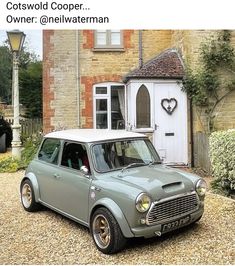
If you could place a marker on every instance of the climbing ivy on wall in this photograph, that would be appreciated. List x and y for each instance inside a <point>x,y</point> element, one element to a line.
<point>214,79</point>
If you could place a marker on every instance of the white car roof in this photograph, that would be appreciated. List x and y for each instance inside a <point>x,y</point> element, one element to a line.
<point>92,135</point>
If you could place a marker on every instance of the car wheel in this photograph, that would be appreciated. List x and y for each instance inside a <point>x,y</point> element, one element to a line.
<point>106,232</point>
<point>3,144</point>
<point>27,196</point>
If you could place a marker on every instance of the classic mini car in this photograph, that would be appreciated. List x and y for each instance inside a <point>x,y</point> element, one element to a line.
<point>112,182</point>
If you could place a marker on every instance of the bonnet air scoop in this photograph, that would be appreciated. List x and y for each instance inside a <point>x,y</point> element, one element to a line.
<point>173,187</point>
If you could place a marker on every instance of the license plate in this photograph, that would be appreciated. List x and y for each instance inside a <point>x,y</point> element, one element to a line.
<point>175,224</point>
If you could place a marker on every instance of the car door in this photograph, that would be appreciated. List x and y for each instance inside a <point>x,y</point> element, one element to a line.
<point>45,167</point>
<point>71,186</point>
<point>62,186</point>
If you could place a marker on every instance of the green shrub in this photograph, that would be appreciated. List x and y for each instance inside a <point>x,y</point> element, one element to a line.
<point>30,148</point>
<point>222,156</point>
<point>10,165</point>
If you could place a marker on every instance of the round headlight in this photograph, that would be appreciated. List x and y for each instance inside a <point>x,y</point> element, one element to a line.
<point>201,187</point>
<point>143,202</point>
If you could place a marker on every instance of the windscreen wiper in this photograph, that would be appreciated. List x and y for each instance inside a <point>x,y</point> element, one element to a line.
<point>154,162</point>
<point>132,165</point>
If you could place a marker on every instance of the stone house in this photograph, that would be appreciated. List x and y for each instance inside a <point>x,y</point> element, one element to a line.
<point>129,79</point>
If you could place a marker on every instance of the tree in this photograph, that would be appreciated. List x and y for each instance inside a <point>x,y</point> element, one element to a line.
<point>5,74</point>
<point>31,89</point>
<point>30,80</point>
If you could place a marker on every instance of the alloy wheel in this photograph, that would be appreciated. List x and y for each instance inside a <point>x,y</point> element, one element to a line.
<point>26,195</point>
<point>101,231</point>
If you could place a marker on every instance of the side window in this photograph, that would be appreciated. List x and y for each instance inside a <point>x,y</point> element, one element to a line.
<point>74,156</point>
<point>50,151</point>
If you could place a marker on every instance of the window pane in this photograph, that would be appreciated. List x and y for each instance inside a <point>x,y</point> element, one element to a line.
<point>101,90</point>
<point>74,156</point>
<point>143,108</point>
<point>101,113</point>
<point>115,37</point>
<point>101,37</point>
<point>50,151</point>
<point>117,107</point>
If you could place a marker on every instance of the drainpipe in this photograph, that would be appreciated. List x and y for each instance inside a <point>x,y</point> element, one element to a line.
<point>140,49</point>
<point>191,133</point>
<point>78,79</point>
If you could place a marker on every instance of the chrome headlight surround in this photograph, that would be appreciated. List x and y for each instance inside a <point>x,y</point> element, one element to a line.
<point>143,202</point>
<point>201,187</point>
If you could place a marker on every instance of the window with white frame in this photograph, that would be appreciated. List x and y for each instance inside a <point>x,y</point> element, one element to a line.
<point>109,106</point>
<point>108,39</point>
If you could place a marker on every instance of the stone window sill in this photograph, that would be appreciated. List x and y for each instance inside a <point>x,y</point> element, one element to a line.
<point>108,50</point>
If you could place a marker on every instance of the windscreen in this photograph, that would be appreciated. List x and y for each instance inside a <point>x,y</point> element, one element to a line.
<point>119,154</point>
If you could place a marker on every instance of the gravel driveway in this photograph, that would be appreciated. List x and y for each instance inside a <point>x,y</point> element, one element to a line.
<point>48,238</point>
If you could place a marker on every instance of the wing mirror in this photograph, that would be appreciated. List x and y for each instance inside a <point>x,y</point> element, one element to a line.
<point>84,170</point>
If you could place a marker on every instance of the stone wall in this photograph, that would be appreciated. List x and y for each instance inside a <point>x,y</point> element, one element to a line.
<point>68,99</point>
<point>189,43</point>
<point>155,42</point>
<point>60,80</point>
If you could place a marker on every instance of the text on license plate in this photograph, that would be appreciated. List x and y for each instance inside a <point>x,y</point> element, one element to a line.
<point>175,224</point>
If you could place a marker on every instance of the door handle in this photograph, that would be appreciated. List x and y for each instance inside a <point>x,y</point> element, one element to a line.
<point>57,176</point>
<point>156,126</point>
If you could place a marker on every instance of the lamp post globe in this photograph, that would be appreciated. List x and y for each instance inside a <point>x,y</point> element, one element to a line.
<point>16,40</point>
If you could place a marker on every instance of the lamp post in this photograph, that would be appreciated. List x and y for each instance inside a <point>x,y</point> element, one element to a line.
<point>16,39</point>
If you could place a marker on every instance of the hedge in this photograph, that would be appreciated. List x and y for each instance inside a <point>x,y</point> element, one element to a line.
<point>222,156</point>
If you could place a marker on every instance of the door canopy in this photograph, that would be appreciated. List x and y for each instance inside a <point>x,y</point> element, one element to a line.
<point>167,65</point>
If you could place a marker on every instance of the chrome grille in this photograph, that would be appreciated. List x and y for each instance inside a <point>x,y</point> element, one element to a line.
<point>172,208</point>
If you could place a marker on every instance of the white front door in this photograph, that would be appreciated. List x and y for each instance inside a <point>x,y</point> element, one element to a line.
<point>170,117</point>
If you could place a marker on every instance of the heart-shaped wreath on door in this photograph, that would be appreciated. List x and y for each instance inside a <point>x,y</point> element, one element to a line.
<point>169,105</point>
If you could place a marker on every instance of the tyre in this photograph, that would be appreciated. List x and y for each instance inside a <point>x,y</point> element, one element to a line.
<point>106,232</point>
<point>3,144</point>
<point>28,197</point>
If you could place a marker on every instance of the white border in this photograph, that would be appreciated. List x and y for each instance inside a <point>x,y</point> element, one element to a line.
<point>124,14</point>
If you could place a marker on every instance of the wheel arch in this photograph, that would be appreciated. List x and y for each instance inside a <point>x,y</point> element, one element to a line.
<point>33,179</point>
<point>116,212</point>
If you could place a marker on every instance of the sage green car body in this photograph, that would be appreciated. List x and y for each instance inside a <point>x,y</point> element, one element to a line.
<point>77,195</point>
